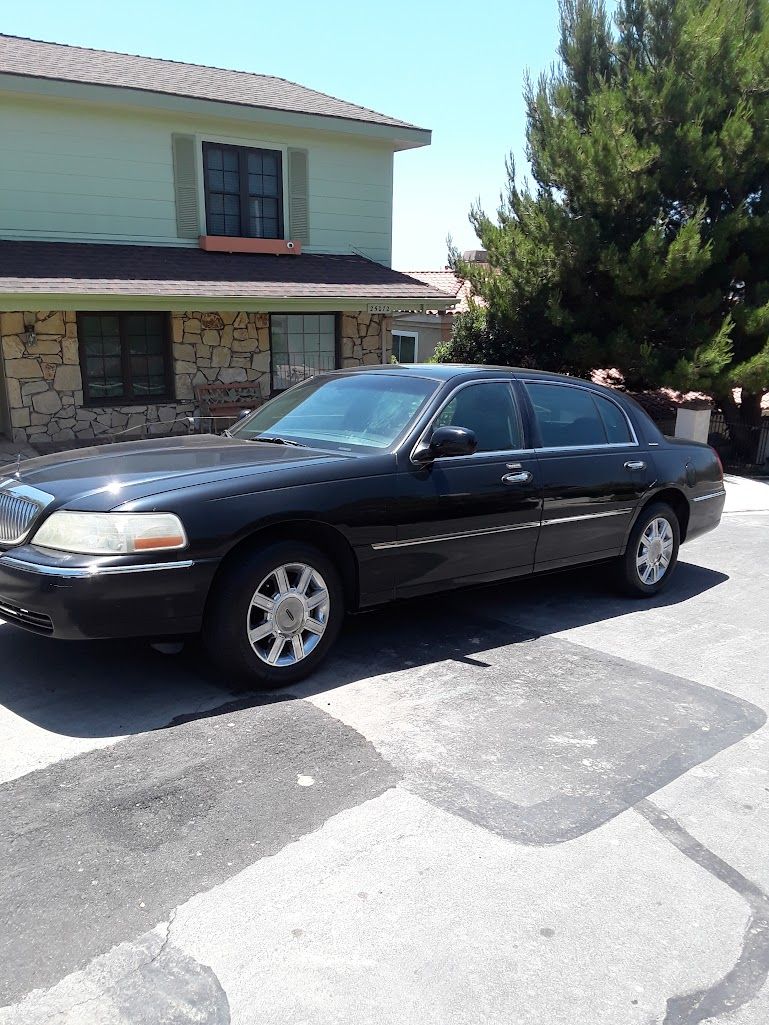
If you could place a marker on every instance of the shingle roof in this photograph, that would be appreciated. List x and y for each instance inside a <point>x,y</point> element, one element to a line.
<point>37,59</point>
<point>447,281</point>
<point>76,268</point>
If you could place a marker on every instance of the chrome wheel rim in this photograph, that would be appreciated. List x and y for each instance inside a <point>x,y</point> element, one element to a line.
<point>655,550</point>
<point>288,614</point>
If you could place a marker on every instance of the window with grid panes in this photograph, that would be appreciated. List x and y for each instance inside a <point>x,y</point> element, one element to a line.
<point>124,357</point>
<point>302,344</point>
<point>244,191</point>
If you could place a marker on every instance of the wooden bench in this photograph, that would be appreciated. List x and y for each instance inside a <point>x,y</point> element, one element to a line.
<point>220,405</point>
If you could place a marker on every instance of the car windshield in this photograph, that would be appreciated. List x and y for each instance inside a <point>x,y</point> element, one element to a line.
<point>358,412</point>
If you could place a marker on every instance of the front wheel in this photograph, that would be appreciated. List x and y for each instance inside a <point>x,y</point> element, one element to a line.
<point>651,553</point>
<point>274,615</point>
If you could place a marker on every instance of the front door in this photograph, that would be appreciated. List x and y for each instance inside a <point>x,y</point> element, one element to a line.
<point>471,518</point>
<point>594,473</point>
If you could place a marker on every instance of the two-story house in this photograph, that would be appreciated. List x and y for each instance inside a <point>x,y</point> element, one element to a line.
<point>165,226</point>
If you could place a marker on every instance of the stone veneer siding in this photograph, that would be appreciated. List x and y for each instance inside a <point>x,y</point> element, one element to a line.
<point>45,388</point>
<point>361,339</point>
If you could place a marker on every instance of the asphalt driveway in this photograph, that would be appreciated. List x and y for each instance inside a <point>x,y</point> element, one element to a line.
<point>531,803</point>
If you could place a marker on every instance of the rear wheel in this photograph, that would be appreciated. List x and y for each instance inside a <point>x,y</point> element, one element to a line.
<point>652,551</point>
<point>274,615</point>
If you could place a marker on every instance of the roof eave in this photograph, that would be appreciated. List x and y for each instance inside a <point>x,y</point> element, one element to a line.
<point>400,136</point>
<point>12,300</point>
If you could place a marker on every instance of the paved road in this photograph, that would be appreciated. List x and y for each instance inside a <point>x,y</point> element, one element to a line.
<point>532,803</point>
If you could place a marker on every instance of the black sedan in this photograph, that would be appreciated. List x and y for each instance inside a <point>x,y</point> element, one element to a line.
<point>349,490</point>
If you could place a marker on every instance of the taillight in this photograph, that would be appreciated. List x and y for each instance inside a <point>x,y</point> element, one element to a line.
<point>718,460</point>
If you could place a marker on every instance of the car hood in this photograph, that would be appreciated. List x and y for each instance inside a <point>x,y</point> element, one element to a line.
<point>123,472</point>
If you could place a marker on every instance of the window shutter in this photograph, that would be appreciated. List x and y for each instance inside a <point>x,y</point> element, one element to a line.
<point>298,196</point>
<point>186,185</point>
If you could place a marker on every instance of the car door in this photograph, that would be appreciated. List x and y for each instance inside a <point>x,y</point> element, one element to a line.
<point>594,472</point>
<point>470,517</point>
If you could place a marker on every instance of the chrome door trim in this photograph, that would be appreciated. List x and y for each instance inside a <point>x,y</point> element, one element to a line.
<point>706,498</point>
<point>453,537</point>
<point>83,572</point>
<point>585,516</point>
<point>576,449</point>
<point>571,448</point>
<point>476,455</point>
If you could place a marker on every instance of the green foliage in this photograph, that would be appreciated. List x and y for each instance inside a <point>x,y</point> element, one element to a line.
<point>643,241</point>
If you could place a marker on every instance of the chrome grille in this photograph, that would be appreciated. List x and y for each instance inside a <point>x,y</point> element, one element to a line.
<point>19,506</point>
<point>16,516</point>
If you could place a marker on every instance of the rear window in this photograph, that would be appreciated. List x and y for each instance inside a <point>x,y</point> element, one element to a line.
<point>570,417</point>
<point>567,417</point>
<point>614,421</point>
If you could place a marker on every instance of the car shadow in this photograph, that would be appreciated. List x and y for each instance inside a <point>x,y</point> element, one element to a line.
<point>119,688</point>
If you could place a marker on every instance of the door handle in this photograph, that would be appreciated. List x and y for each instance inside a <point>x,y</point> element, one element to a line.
<point>521,477</point>
<point>635,464</point>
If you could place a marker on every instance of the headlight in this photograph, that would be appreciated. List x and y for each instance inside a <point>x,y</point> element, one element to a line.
<point>111,533</point>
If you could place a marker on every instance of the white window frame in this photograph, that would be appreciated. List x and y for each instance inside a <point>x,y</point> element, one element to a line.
<point>408,334</point>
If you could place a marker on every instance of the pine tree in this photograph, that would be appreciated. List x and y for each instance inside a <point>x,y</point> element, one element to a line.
<point>643,242</point>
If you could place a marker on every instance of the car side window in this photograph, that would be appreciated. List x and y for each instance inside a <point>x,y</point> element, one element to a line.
<point>489,410</point>
<point>614,420</point>
<point>567,417</point>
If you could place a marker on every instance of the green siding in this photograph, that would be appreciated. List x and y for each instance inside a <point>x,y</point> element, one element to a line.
<point>78,172</point>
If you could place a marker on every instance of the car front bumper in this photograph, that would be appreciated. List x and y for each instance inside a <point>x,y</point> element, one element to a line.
<point>78,598</point>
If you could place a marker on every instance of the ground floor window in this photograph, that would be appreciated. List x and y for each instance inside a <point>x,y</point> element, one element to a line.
<point>302,344</point>
<point>125,357</point>
<point>405,346</point>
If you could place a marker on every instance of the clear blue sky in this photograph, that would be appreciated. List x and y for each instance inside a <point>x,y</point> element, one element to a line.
<point>454,67</point>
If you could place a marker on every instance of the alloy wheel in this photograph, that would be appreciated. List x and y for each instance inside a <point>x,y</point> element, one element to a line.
<point>288,614</point>
<point>655,550</point>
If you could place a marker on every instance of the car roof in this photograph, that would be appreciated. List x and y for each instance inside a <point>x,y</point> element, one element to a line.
<point>450,371</point>
<point>435,371</point>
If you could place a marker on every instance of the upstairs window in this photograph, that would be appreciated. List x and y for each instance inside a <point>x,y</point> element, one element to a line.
<point>244,191</point>
<point>125,357</point>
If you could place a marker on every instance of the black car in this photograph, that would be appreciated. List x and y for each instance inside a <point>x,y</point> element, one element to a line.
<point>346,491</point>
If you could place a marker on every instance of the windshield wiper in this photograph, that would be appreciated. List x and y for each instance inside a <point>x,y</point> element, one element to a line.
<point>276,441</point>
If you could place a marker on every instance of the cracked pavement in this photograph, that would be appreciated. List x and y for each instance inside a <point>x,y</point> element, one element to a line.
<point>531,803</point>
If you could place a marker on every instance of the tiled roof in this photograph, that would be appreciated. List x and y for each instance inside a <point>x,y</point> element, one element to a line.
<point>37,59</point>
<point>76,268</point>
<point>447,281</point>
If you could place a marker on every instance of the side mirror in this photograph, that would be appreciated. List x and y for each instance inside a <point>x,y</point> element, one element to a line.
<point>448,441</point>
<point>243,414</point>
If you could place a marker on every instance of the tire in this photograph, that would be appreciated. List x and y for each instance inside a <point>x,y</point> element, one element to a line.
<point>642,577</point>
<point>274,593</point>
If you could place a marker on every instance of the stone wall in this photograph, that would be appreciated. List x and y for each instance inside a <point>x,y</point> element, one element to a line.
<point>362,335</point>
<point>220,347</point>
<point>45,388</point>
